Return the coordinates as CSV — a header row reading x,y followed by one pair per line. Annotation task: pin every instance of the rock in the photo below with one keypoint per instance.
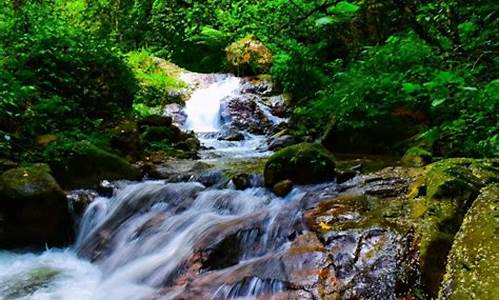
x,y
302,163
241,181
125,139
154,120
80,200
281,142
448,189
159,134
260,85
190,144
248,56
472,266
105,189
416,157
230,134
244,113
178,170
346,175
372,255
33,209
215,178
176,112
23,285
82,164
6,164
282,188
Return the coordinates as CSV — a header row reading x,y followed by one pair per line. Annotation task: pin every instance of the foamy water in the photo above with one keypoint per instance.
x,y
51,275
203,108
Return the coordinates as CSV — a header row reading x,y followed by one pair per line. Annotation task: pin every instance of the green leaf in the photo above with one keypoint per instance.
x,y
437,102
344,7
410,87
324,21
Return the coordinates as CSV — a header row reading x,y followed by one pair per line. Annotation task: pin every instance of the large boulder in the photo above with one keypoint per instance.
x,y
472,267
302,163
447,190
33,209
82,164
248,56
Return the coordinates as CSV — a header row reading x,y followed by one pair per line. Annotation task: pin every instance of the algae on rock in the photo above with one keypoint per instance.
x,y
33,209
472,267
302,163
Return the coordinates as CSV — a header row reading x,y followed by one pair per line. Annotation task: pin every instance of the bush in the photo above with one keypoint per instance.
x,y
402,85
53,74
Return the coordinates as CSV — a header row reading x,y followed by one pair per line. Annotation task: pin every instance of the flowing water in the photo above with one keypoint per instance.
x,y
159,240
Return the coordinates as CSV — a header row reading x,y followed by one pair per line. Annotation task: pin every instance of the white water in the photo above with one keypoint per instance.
x,y
203,108
21,276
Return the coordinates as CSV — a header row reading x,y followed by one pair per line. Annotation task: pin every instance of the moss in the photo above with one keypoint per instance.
x,y
416,157
451,185
23,286
302,163
83,164
158,79
33,207
472,267
28,182
451,177
158,134
125,139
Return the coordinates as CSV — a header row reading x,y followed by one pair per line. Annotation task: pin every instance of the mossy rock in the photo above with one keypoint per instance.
x,y
248,56
82,164
416,157
159,134
23,285
125,139
33,208
302,163
472,267
450,185
452,177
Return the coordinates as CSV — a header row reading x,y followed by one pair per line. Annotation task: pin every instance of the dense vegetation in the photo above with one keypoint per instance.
x,y
426,68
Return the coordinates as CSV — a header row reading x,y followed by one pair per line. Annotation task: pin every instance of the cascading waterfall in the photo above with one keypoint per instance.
x,y
203,108
152,240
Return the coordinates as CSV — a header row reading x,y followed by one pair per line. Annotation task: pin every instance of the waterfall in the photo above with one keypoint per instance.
x,y
203,108
160,240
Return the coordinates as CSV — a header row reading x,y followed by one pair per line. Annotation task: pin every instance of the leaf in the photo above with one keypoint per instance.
x,y
437,102
410,87
343,7
324,226
324,21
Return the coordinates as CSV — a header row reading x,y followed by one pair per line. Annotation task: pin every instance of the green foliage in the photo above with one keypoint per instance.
x,y
402,81
56,77
426,68
157,79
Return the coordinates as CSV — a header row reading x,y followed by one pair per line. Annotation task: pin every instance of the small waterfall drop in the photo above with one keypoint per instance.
x,y
203,108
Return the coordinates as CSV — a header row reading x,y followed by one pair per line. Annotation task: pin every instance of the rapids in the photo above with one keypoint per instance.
x,y
153,239
181,239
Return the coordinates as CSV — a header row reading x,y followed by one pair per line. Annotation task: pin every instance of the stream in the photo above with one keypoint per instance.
x,y
184,240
